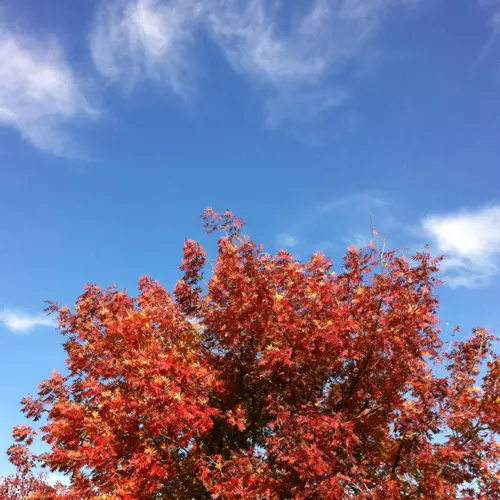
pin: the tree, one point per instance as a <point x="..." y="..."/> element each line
<point x="20" y="487"/>
<point x="276" y="379"/>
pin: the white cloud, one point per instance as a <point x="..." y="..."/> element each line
<point x="286" y="240"/>
<point x="471" y="241"/>
<point x="137" y="39"/>
<point x="294" y="54"/>
<point x="20" y="322"/>
<point x="39" y="92"/>
<point x="248" y="36"/>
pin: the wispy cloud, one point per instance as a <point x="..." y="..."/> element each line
<point x="294" y="52"/>
<point x="470" y="239"/>
<point x="20" y="322"/>
<point x="40" y="94"/>
<point x="145" y="39"/>
<point x="297" y="63"/>
<point x="287" y="241"/>
<point x="364" y="201"/>
<point x="494" y="25"/>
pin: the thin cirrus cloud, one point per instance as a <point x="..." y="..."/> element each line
<point x="21" y="322"/>
<point x="40" y="94"/>
<point x="470" y="241"/>
<point x="145" y="39"/>
<point x="494" y="5"/>
<point x="296" y="61"/>
<point x="297" y="65"/>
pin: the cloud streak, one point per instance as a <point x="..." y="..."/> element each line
<point x="494" y="25"/>
<point x="20" y="322"/>
<point x="39" y="92"/>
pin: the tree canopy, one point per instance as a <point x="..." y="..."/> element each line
<point x="271" y="379"/>
<point x="21" y="486"/>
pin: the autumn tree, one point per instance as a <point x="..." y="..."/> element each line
<point x="272" y="379"/>
<point x="21" y="486"/>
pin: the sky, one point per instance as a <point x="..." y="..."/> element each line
<point x="120" y="121"/>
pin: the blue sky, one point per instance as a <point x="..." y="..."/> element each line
<point x="120" y="121"/>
